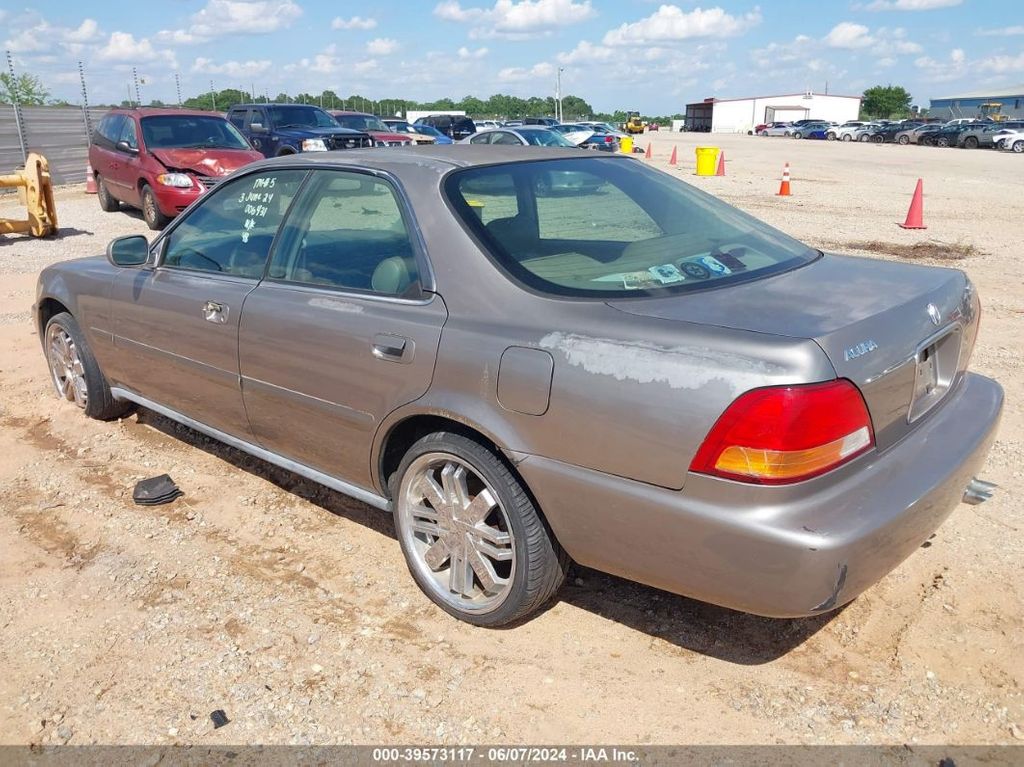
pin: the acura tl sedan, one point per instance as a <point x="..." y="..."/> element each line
<point x="677" y="393"/>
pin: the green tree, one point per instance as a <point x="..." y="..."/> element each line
<point x="24" y="89"/>
<point x="886" y="101"/>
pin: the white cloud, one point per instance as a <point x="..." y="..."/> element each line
<point x="86" y="32"/>
<point x="356" y="22"/>
<point x="233" y="17"/>
<point x="848" y="35"/>
<point x="122" y="46"/>
<point x="1003" y="31"/>
<point x="587" y="52"/>
<point x="520" y="74"/>
<point x="233" y="69"/>
<point x="910" y="5"/>
<point x="509" y="18"/>
<point x="382" y="46"/>
<point x="943" y="71"/>
<point x="670" y="23"/>
<point x="466" y="53"/>
<point x="1001" y="64"/>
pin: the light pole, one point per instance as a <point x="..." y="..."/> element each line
<point x="558" y="96"/>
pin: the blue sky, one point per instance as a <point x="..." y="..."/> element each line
<point x="617" y="54"/>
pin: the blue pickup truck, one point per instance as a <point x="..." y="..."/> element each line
<point x="279" y="129"/>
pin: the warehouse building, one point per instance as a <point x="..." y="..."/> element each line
<point x="741" y="115"/>
<point x="993" y="102"/>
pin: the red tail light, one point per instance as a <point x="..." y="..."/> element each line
<point x="784" y="434"/>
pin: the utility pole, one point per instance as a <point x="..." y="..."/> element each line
<point x="135" y="79"/>
<point x="18" y="119"/>
<point x="85" y="104"/>
<point x="177" y="88"/>
<point x="213" y="96"/>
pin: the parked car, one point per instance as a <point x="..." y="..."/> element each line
<point x="161" y="160"/>
<point x="845" y="131"/>
<point x="777" y="129"/>
<point x="812" y="130"/>
<point x="431" y="132"/>
<point x="945" y="136"/>
<point x="482" y="124"/>
<point x="587" y="137"/>
<point x="912" y="135"/>
<point x="823" y="422"/>
<point x="454" y="127"/>
<point x="978" y="135"/>
<point x="280" y="129"/>
<point x="405" y="129"/>
<point x="883" y="134"/>
<point x="524" y="135"/>
<point x="382" y="135"/>
<point x="1011" y="139"/>
<point x="545" y="121"/>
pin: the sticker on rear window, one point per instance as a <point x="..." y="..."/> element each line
<point x="667" y="273"/>
<point x="714" y="265"/>
<point x="639" y="281"/>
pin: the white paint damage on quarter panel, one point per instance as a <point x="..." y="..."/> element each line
<point x="681" y="367"/>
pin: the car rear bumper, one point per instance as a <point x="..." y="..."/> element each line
<point x="776" y="551"/>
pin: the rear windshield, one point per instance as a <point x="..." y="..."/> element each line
<point x="612" y="227"/>
<point x="300" y="117"/>
<point x="544" y="137"/>
<point x="191" y="131"/>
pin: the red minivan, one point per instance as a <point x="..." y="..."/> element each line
<point x="160" y="160"/>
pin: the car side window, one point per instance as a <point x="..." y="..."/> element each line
<point x="347" y="231"/>
<point x="129" y="134"/>
<point x="507" y="139"/>
<point x="481" y="138"/>
<point x="237" y="118"/>
<point x="232" y="230"/>
<point x="110" y="129"/>
<point x="255" y="116"/>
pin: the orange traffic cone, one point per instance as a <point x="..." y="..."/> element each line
<point x="720" y="171"/>
<point x="674" y="159"/>
<point x="647" y="154"/>
<point x="90" y="180"/>
<point x="784" y="187"/>
<point x="915" y="216"/>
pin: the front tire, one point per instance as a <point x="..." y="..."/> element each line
<point x="1018" y="146"/>
<point x="970" y="142"/>
<point x="155" y="219"/>
<point x="472" y="537"/>
<point x="75" y="374"/>
<point x="904" y="140"/>
<point x="847" y="137"/>
<point x="942" y="142"/>
<point x="107" y="202"/>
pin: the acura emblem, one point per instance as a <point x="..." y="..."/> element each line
<point x="933" y="312"/>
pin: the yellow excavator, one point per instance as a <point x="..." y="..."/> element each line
<point x="991" y="110"/>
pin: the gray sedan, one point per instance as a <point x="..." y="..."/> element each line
<point x="641" y="379"/>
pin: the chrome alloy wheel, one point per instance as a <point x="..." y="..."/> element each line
<point x="458" y="535"/>
<point x="66" y="366"/>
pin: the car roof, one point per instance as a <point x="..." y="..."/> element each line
<point x="160" y="111"/>
<point x="350" y="112"/>
<point x="438" y="157"/>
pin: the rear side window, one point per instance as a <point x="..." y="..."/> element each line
<point x="347" y="231"/>
<point x="232" y="230"/>
<point x="595" y="227"/>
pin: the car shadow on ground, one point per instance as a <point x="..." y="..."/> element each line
<point x="686" y="624"/>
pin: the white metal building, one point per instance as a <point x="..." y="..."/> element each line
<point x="741" y="115"/>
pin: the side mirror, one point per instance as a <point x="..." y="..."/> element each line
<point x="124" y="146"/>
<point x="132" y="250"/>
<point x="257" y="128"/>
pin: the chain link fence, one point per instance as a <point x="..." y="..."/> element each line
<point x="57" y="133"/>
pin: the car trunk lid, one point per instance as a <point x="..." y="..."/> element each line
<point x="902" y="333"/>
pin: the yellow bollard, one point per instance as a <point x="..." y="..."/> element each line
<point x="35" y="191"/>
<point x="707" y="160"/>
<point x="626" y="145"/>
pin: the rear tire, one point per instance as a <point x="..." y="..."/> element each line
<point x="970" y="142"/>
<point x="107" y="202"/>
<point x="904" y="140"/>
<point x="75" y="374"/>
<point x="942" y="141"/>
<point x="830" y="136"/>
<point x="155" y="219"/>
<point x="472" y="537"/>
<point x="1018" y="147"/>
<point x="878" y="139"/>
<point x="847" y="137"/>
<point x="864" y="139"/>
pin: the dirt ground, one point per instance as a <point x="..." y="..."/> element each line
<point x="290" y="607"/>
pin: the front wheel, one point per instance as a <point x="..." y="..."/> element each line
<point x="904" y="140"/>
<point x="864" y="138"/>
<point x="942" y="142"/>
<point x="847" y="137"/>
<point x="970" y="142"/>
<point x="1018" y="147"/>
<point x="878" y="139"/>
<point x="155" y="219"/>
<point x="75" y="374"/>
<point x="830" y="136"/>
<point x="798" y="135"/>
<point x="472" y="537"/>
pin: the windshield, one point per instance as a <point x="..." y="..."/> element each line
<point x="191" y="132"/>
<point x="545" y="138"/>
<point x="612" y="227"/>
<point x="297" y="116"/>
<point x="361" y="122"/>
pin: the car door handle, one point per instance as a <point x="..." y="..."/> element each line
<point x="215" y="312"/>
<point x="392" y="348"/>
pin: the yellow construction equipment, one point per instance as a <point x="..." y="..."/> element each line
<point x="633" y="123"/>
<point x="35" y="192"/>
<point x="991" y="110"/>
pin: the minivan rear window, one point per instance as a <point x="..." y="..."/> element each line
<point x="612" y="228"/>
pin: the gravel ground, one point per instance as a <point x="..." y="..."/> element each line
<point x="290" y="608"/>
